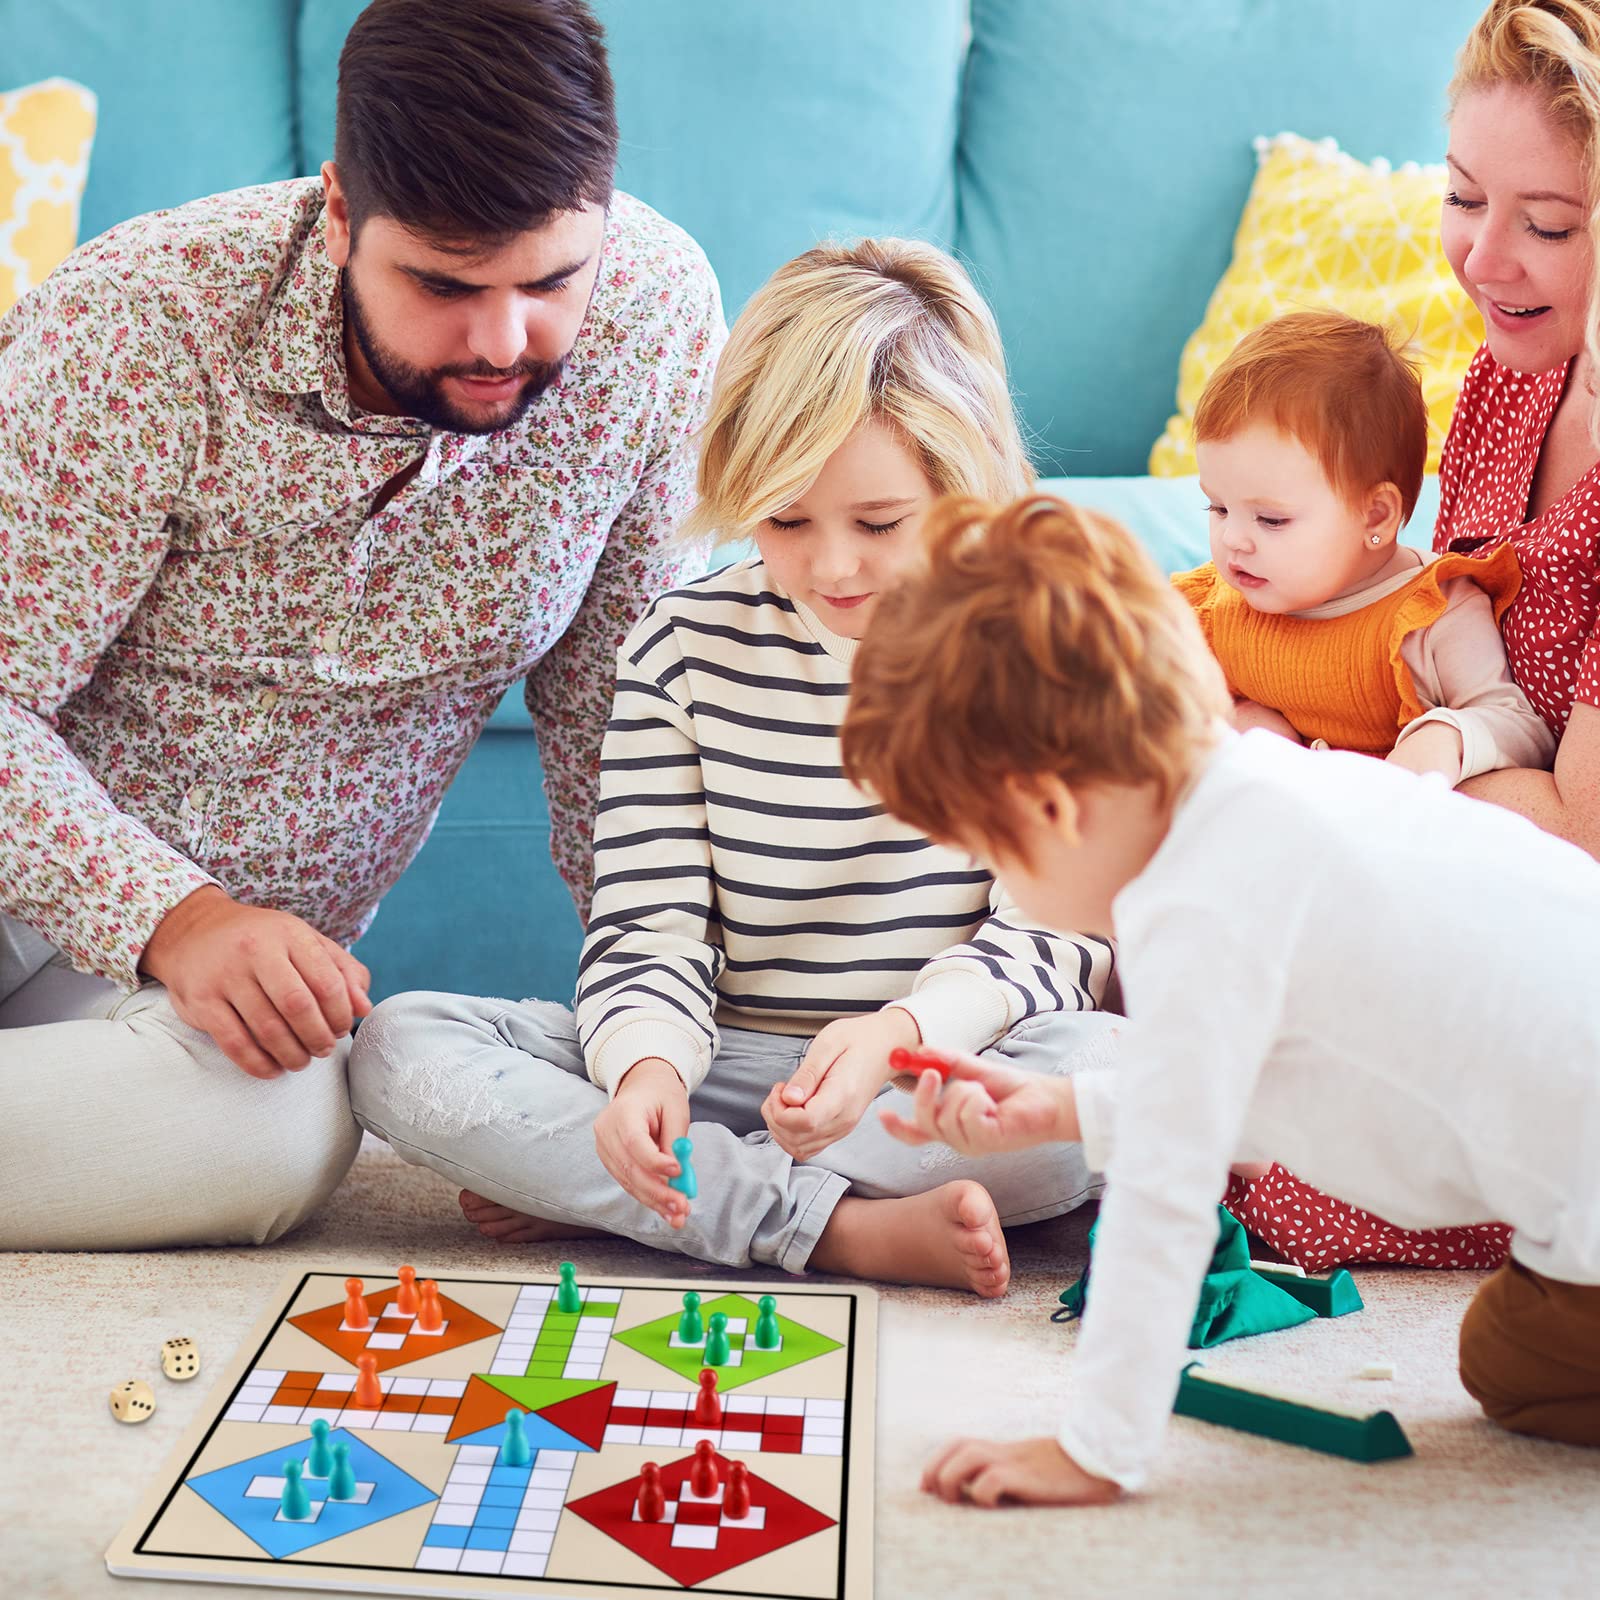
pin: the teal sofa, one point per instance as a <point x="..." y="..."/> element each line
<point x="1087" y="161"/>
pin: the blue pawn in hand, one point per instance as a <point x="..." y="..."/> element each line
<point x="567" y="1297"/>
<point x="684" y="1183"/>
<point x="320" y="1462"/>
<point x="295" y="1506"/>
<point x="515" y="1451"/>
<point x="342" y="1479"/>
<point x="717" y="1348"/>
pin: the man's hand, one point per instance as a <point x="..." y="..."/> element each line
<point x="272" y="991"/>
<point x="1434" y="747"/>
<point x="1247" y="715"/>
<point x="1032" y="1472"/>
<point x="633" y="1136"/>
<point x="843" y="1071"/>
<point x="986" y="1109"/>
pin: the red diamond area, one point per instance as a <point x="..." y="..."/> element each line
<point x="461" y="1327"/>
<point x="787" y="1521"/>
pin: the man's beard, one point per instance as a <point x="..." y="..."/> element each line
<point x="421" y="394"/>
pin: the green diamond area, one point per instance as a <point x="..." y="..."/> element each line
<point x="800" y="1343"/>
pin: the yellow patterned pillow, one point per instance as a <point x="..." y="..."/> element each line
<point x="1323" y="229"/>
<point x="45" y="134"/>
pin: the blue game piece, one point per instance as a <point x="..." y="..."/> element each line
<point x="515" y="1452"/>
<point x="295" y="1505"/>
<point x="342" y="1479"/>
<point x="717" y="1348"/>
<point x="684" y="1183"/>
<point x="567" y="1297"/>
<point x="319" y="1463"/>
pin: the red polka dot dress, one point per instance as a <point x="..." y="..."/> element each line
<point x="1553" y="643"/>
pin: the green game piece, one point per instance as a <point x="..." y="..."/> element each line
<point x="1333" y="1296"/>
<point x="691" y="1330"/>
<point x="515" y="1451"/>
<point x="295" y="1505"/>
<point x="684" y="1183"/>
<point x="342" y="1480"/>
<point x="1334" y="1430"/>
<point x="567" y="1296"/>
<point x="319" y="1463"/>
<point x="717" y="1348"/>
<point x="767" y="1335"/>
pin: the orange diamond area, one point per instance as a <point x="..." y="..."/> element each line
<point x="460" y="1327"/>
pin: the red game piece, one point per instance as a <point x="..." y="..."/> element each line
<point x="430" y="1315"/>
<point x="736" y="1502"/>
<point x="652" y="1498"/>
<point x="355" y="1307"/>
<point x="405" y="1297"/>
<point x="369" y="1392"/>
<point x="703" y="1474"/>
<point x="707" y="1405"/>
<point x="909" y="1065"/>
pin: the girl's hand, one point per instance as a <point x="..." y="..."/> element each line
<point x="1247" y="715"/>
<point x="986" y="1109"/>
<point x="1032" y="1472"/>
<point x="843" y="1071"/>
<point x="633" y="1136"/>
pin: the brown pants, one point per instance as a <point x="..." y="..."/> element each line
<point x="1530" y="1354"/>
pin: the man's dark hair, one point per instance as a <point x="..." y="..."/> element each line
<point x="475" y="119"/>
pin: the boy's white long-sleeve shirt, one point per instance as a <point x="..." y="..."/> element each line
<point x="740" y="877"/>
<point x="1389" y="988"/>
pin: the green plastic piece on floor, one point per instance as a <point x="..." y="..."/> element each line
<point x="1335" y="1295"/>
<point x="515" y="1452"/>
<point x="295" y="1506"/>
<point x="717" y="1348"/>
<point x="684" y="1183"/>
<point x="767" y="1335"/>
<point x="567" y="1296"/>
<point x="691" y="1329"/>
<point x="319" y="1463"/>
<point x="1365" y="1436"/>
<point x="1234" y="1300"/>
<point x="342" y="1480"/>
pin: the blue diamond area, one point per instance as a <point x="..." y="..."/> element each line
<point x="393" y="1491"/>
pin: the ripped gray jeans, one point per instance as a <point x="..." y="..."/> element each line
<point x="493" y="1094"/>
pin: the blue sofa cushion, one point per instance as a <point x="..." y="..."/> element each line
<point x="1105" y="159"/>
<point x="760" y="128"/>
<point x="195" y="96"/>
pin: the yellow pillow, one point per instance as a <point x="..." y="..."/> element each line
<point x="1323" y="229"/>
<point x="45" y="134"/>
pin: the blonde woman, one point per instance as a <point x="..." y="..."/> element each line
<point x="763" y="934"/>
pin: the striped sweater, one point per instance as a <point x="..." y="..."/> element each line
<point x="741" y="879"/>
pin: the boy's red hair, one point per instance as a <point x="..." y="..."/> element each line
<point x="1039" y="639"/>
<point x="1344" y="388"/>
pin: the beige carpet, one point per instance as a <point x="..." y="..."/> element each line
<point x="1475" y="1513"/>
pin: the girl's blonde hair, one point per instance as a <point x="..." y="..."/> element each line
<point x="1553" y="47"/>
<point x="888" y="329"/>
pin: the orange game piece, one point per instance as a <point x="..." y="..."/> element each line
<point x="355" y="1306"/>
<point x="652" y="1498"/>
<point x="405" y="1297"/>
<point x="736" y="1502"/>
<point x="707" y="1404"/>
<point x="369" y="1392"/>
<point x="430" y="1315"/>
<point x="703" y="1474"/>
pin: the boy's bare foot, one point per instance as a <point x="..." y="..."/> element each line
<point x="949" y="1236"/>
<point x="506" y="1226"/>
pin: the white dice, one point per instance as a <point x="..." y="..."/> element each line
<point x="132" y="1401"/>
<point x="180" y="1359"/>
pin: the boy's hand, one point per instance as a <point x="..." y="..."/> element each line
<point x="986" y="1109"/>
<point x="633" y="1136"/>
<point x="1033" y="1472"/>
<point x="1247" y="715"/>
<point x="842" y="1073"/>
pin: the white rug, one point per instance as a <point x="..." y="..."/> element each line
<point x="1475" y="1513"/>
